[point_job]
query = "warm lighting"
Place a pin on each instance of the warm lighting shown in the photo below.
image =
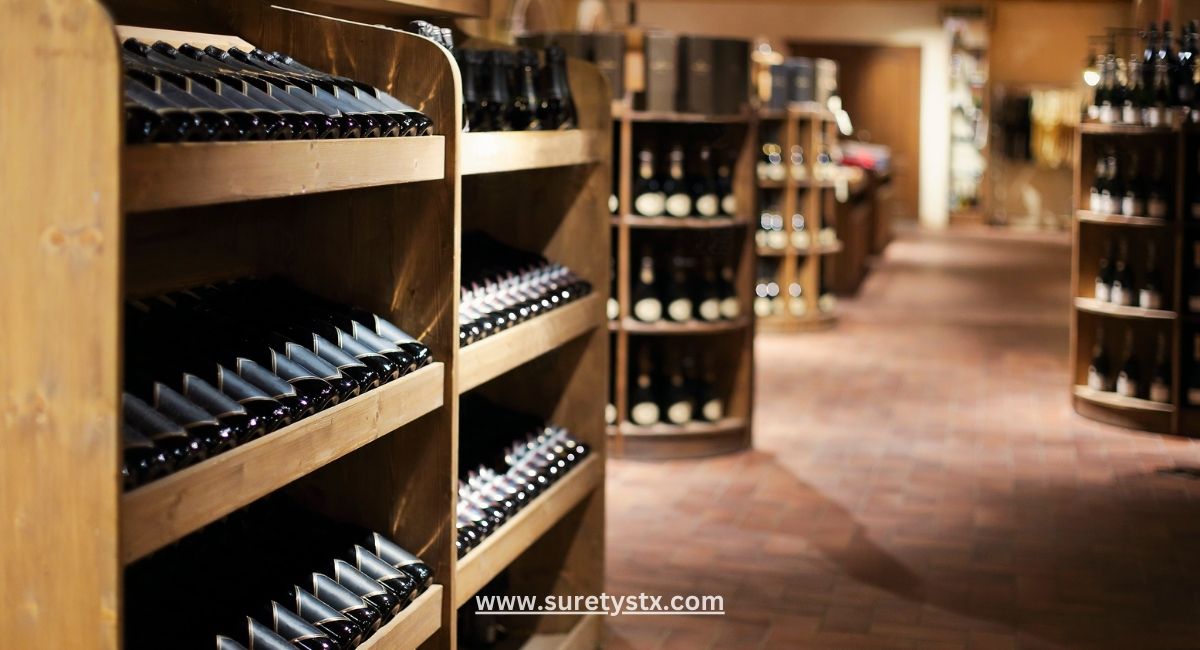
(1091, 77)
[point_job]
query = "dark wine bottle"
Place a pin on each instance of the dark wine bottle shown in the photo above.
(346, 632)
(494, 101)
(557, 109)
(1160, 381)
(523, 112)
(674, 186)
(1151, 294)
(1098, 377)
(364, 614)
(725, 189)
(707, 295)
(1122, 292)
(675, 293)
(393, 554)
(1129, 378)
(300, 405)
(200, 424)
(1158, 195)
(1099, 181)
(648, 197)
(182, 449)
(731, 307)
(676, 401)
(364, 587)
(399, 583)
(225, 409)
(298, 632)
(706, 198)
(345, 387)
(1104, 275)
(143, 461)
(261, 637)
(263, 408)
(643, 410)
(226, 643)
(1193, 386)
(646, 304)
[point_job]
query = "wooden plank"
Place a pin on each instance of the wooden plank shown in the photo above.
(679, 447)
(673, 117)
(693, 327)
(675, 223)
(1095, 128)
(60, 278)
(1098, 307)
(491, 557)
(725, 425)
(1118, 219)
(585, 635)
(165, 510)
(1114, 400)
(412, 626)
(506, 151)
(159, 176)
(483, 361)
(472, 8)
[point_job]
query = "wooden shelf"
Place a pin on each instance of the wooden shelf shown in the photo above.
(767, 184)
(676, 223)
(165, 510)
(1091, 305)
(763, 251)
(161, 176)
(804, 111)
(818, 249)
(487, 560)
(668, 327)
(473, 8)
(1118, 219)
(412, 626)
(584, 635)
(483, 361)
(684, 118)
(1095, 128)
(506, 151)
(1114, 400)
(690, 429)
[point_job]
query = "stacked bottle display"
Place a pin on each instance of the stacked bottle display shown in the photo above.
(216, 366)
(193, 93)
(506, 459)
(771, 298)
(1153, 87)
(1123, 186)
(669, 284)
(1120, 281)
(681, 182)
(774, 234)
(1128, 374)
(775, 165)
(505, 90)
(672, 385)
(504, 286)
(273, 576)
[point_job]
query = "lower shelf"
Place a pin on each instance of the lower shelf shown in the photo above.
(693, 440)
(669, 327)
(813, 321)
(1123, 411)
(584, 635)
(412, 626)
(487, 560)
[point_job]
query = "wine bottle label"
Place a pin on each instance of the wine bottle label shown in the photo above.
(1107, 115)
(614, 204)
(1096, 381)
(650, 204)
(679, 205)
(760, 239)
(776, 172)
(209, 398)
(729, 204)
(1149, 299)
(1108, 205)
(145, 419)
(1132, 206)
(1119, 296)
(1131, 114)
(710, 309)
(262, 638)
(1093, 112)
(1126, 385)
(826, 302)
(1094, 201)
(801, 238)
(777, 239)
(644, 413)
(1156, 207)
(708, 205)
(799, 172)
(178, 408)
(610, 413)
(264, 379)
(797, 306)
(1103, 291)
(679, 413)
(713, 410)
(1153, 116)
(763, 307)
(730, 309)
(613, 309)
(333, 354)
(292, 627)
(310, 361)
(1160, 391)
(369, 338)
(1193, 396)
(647, 310)
(680, 309)
(314, 610)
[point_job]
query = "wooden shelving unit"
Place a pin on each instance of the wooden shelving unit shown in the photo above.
(1091, 234)
(810, 128)
(374, 223)
(733, 340)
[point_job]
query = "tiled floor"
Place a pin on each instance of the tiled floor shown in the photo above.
(920, 481)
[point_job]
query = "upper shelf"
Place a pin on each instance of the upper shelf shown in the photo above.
(676, 223)
(1118, 219)
(1123, 129)
(483, 361)
(161, 176)
(165, 510)
(506, 151)
(474, 8)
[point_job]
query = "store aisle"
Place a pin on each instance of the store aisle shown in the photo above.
(920, 481)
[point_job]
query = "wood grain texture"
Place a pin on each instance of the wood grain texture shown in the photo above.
(504, 151)
(165, 510)
(160, 176)
(692, 327)
(1121, 311)
(412, 626)
(60, 278)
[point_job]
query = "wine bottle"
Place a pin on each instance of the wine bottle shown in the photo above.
(1194, 186)
(182, 448)
(797, 303)
(1194, 293)
(494, 102)
(705, 195)
(1112, 193)
(796, 158)
(676, 401)
(1104, 275)
(770, 165)
(260, 637)
(1158, 200)
(1160, 381)
(708, 295)
(766, 290)
(365, 376)
(1135, 99)
(1098, 369)
(523, 111)
(346, 632)
(801, 239)
(725, 189)
(143, 461)
(678, 200)
(1193, 388)
(470, 66)
(712, 407)
(1095, 203)
(1122, 291)
(612, 307)
(228, 412)
(403, 586)
(1150, 295)
(1129, 378)
(298, 632)
(1103, 97)
(1133, 202)
(675, 293)
(364, 614)
(398, 558)
(1185, 72)
(557, 110)
(646, 305)
(226, 643)
(321, 393)
(643, 409)
(344, 387)
(648, 197)
(146, 89)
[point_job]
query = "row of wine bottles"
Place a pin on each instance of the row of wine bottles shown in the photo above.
(1131, 378)
(1115, 281)
(675, 384)
(194, 93)
(507, 458)
(770, 300)
(260, 354)
(773, 235)
(695, 182)
(774, 168)
(503, 286)
(683, 290)
(1156, 87)
(284, 576)
(1129, 192)
(515, 91)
